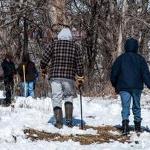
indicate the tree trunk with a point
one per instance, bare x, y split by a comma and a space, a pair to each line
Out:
58, 12
122, 27
19, 45
25, 48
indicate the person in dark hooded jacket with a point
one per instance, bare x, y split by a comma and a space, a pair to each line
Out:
9, 70
129, 72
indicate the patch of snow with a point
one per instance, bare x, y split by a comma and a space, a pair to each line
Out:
38, 114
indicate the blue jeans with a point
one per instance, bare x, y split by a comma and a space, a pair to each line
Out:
126, 101
27, 89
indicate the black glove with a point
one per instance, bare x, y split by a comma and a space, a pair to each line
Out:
116, 90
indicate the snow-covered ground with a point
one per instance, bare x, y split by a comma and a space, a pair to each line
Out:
36, 113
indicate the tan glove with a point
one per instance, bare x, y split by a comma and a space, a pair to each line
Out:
15, 77
44, 72
79, 81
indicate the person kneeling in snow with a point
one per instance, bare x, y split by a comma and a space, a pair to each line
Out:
66, 64
128, 74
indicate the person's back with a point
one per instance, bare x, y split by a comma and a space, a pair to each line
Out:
130, 69
27, 72
8, 68
66, 63
128, 74
30, 71
63, 59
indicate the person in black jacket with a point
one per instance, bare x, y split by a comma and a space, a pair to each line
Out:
9, 70
28, 73
129, 72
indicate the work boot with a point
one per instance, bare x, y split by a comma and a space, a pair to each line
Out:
125, 127
68, 113
58, 116
137, 126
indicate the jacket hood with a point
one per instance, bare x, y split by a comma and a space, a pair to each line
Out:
131, 45
6, 60
65, 34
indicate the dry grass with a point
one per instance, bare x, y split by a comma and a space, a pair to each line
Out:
42, 87
104, 134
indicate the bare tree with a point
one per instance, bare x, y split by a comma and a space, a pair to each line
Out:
107, 26
102, 27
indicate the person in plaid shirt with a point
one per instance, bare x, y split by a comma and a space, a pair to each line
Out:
66, 66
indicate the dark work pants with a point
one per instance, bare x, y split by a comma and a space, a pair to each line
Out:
9, 89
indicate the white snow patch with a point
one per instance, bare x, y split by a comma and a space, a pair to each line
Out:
36, 113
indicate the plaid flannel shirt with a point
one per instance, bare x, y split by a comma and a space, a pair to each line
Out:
65, 59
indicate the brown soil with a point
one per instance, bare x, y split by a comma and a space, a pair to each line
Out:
104, 134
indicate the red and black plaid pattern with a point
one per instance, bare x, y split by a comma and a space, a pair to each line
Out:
66, 59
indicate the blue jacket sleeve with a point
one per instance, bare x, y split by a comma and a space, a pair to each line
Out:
115, 71
146, 73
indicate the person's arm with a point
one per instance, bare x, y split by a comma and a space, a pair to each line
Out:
79, 63
20, 70
3, 66
146, 73
14, 69
79, 68
115, 71
35, 71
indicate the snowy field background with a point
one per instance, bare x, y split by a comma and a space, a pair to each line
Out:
36, 113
